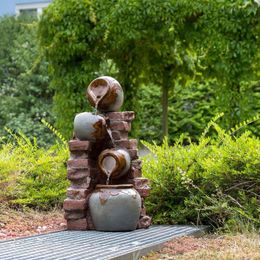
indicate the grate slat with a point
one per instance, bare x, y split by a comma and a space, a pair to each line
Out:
91, 245
94, 237
92, 250
146, 242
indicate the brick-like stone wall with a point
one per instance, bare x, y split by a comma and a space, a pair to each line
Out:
84, 175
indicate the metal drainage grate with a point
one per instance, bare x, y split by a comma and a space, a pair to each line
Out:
94, 245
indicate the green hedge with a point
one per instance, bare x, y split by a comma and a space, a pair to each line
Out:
214, 182
32, 176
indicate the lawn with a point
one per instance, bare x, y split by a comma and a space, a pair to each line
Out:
228, 246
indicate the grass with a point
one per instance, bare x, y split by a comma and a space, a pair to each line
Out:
225, 247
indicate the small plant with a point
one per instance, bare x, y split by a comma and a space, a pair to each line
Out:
215, 182
54, 131
30, 175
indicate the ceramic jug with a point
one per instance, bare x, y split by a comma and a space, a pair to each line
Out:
115, 207
88, 126
114, 163
105, 94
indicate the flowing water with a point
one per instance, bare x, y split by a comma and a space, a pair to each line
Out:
108, 177
96, 106
108, 165
111, 137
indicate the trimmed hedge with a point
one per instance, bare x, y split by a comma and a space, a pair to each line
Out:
213, 182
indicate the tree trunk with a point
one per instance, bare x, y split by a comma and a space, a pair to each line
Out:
165, 93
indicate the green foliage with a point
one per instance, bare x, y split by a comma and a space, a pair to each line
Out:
24, 94
230, 44
32, 176
67, 32
158, 43
190, 109
215, 182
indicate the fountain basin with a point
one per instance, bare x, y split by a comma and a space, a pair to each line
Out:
115, 207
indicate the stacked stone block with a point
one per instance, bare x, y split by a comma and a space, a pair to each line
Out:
84, 174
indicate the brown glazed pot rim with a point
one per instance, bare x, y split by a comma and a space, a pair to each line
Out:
115, 186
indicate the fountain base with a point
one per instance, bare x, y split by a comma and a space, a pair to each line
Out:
115, 207
84, 174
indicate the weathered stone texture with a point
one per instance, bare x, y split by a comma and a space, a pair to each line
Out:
120, 126
119, 135
81, 163
78, 194
144, 222
77, 145
77, 224
70, 204
121, 116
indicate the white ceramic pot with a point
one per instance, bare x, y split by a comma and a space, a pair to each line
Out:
88, 126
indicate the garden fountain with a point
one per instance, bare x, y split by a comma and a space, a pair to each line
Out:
107, 190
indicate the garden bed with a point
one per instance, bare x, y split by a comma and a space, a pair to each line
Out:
22, 223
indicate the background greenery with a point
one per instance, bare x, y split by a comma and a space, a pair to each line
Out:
169, 44
197, 59
25, 96
180, 64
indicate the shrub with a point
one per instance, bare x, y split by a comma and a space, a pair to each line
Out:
214, 182
32, 176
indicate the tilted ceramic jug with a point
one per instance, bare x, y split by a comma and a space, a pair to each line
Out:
105, 94
88, 126
114, 162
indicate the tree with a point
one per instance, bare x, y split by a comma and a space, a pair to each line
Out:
190, 109
230, 45
141, 37
68, 35
157, 42
149, 40
24, 94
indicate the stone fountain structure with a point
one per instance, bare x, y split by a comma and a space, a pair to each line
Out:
107, 191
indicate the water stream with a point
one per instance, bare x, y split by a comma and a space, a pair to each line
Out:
108, 177
111, 137
96, 105
109, 165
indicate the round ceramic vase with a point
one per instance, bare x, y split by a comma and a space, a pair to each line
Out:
115, 207
106, 94
116, 161
88, 126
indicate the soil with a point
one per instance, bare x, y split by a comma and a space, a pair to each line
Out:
26, 222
